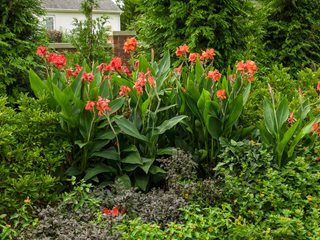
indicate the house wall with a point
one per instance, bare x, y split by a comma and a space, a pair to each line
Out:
62, 21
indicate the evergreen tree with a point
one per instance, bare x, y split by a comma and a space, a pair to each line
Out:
131, 11
221, 24
293, 32
20, 33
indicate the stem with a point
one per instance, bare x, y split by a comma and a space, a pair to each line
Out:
114, 132
85, 155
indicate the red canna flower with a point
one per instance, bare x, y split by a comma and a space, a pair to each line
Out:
77, 71
69, 72
241, 66
41, 51
102, 67
102, 105
318, 87
114, 212
58, 60
251, 67
208, 54
126, 71
90, 105
315, 127
194, 56
291, 119
130, 45
151, 79
87, 77
181, 50
141, 81
124, 90
214, 75
221, 94
116, 63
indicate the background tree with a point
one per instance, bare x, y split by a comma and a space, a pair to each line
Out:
90, 36
131, 11
166, 24
292, 32
20, 33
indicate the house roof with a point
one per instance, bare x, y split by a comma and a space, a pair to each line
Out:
74, 5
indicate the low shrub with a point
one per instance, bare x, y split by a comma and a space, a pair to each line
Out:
31, 150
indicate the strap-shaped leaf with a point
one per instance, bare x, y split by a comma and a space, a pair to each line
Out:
269, 118
132, 158
99, 168
282, 113
168, 124
128, 128
235, 111
37, 85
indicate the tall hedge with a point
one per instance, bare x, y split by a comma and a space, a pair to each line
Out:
292, 32
19, 34
222, 24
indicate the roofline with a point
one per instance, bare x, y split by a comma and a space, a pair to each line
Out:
78, 10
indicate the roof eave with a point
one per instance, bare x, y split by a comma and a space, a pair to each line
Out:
59, 10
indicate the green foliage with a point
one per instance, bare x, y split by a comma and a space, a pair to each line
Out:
282, 132
292, 33
131, 11
31, 150
90, 36
164, 25
19, 34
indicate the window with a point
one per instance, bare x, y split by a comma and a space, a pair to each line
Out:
49, 23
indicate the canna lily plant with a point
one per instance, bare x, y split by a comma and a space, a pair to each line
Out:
212, 101
283, 130
116, 118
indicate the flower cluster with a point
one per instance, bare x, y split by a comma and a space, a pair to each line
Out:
87, 77
208, 54
74, 73
41, 51
102, 105
318, 87
114, 212
58, 60
247, 68
130, 45
221, 94
114, 65
214, 75
182, 50
193, 56
140, 83
124, 90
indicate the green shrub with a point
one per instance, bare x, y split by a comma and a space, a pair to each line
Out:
31, 151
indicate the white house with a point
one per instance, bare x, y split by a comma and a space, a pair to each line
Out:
60, 14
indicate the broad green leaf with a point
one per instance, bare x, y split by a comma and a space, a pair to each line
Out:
199, 71
37, 85
99, 168
304, 131
166, 108
63, 101
124, 180
204, 98
132, 158
282, 113
156, 170
80, 143
128, 128
116, 104
269, 118
106, 135
287, 136
97, 146
147, 163
142, 181
110, 154
246, 94
164, 68
167, 151
214, 127
266, 137
235, 112
168, 124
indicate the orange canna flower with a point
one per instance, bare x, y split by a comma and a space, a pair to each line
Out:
221, 94
181, 50
214, 75
130, 45
291, 119
124, 90
41, 51
194, 56
89, 106
208, 54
